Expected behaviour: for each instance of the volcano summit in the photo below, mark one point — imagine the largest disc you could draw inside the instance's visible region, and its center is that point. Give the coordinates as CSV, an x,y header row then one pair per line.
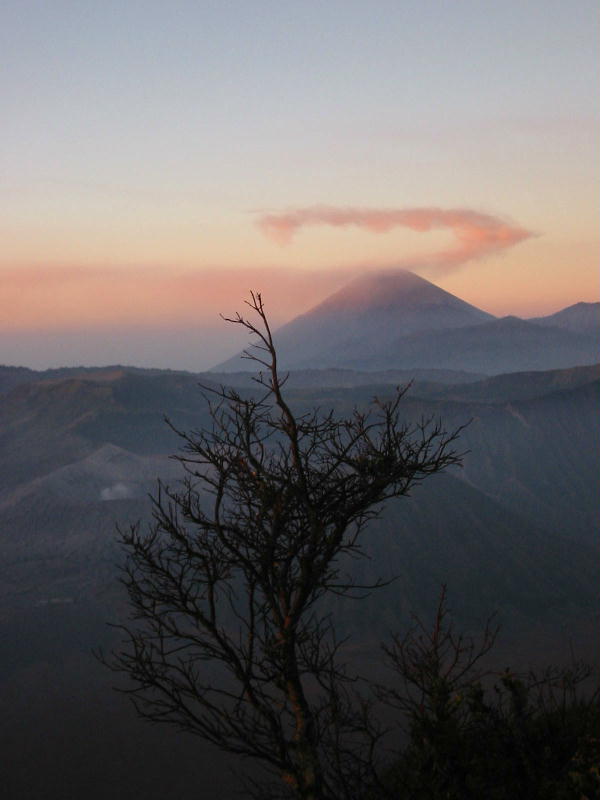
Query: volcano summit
x,y
398,320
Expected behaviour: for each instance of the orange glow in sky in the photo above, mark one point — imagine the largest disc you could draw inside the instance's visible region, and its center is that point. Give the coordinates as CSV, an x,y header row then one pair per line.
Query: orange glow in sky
x,y
147,153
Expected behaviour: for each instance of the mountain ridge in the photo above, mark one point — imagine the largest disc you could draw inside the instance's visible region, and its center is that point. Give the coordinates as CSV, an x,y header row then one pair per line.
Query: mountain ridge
x,y
383,290
372,308
580,318
399,320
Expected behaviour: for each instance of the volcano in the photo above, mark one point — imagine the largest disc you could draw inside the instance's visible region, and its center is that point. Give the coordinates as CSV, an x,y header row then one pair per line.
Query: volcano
x,y
355,323
398,320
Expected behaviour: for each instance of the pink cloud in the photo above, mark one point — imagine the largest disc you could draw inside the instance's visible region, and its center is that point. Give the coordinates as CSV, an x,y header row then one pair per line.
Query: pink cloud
x,y
477,235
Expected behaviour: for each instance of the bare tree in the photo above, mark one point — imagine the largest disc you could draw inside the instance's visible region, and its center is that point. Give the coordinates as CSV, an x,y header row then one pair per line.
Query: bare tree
x,y
228,637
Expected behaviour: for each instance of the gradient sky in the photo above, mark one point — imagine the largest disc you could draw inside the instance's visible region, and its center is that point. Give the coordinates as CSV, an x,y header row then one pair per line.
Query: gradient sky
x,y
160,159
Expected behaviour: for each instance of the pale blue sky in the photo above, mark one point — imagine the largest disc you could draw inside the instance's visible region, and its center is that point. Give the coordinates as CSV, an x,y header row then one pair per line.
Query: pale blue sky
x,y
152,95
142,133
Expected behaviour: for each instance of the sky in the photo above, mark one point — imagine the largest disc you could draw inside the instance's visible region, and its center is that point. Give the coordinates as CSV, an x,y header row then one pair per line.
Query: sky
x,y
159,160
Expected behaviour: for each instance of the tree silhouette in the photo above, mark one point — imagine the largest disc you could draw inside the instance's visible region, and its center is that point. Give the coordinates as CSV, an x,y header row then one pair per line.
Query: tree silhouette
x,y
229,638
472,732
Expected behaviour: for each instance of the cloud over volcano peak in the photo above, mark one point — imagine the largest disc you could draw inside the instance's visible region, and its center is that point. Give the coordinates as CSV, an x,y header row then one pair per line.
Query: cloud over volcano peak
x,y
477,235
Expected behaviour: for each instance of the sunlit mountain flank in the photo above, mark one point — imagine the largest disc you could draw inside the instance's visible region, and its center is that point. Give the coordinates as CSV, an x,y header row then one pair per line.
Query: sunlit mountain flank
x,y
399,320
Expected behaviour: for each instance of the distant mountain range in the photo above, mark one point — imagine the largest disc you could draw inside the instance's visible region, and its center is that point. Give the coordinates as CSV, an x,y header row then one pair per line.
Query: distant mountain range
x,y
398,320
80,452
579,318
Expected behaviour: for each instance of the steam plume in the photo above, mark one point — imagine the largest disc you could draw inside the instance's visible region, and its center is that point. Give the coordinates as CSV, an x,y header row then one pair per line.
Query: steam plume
x,y
477,235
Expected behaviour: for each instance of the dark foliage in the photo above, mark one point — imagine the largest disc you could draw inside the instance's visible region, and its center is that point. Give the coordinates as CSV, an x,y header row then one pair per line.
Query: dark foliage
x,y
473,734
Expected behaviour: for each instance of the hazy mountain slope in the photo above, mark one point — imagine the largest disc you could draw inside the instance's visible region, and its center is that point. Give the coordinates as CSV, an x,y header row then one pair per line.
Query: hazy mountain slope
x,y
352,324
10,377
518,385
579,318
539,457
505,345
520,439
58,538
315,378
58,545
49,424
400,321
13,376
108,473
490,557
39,426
